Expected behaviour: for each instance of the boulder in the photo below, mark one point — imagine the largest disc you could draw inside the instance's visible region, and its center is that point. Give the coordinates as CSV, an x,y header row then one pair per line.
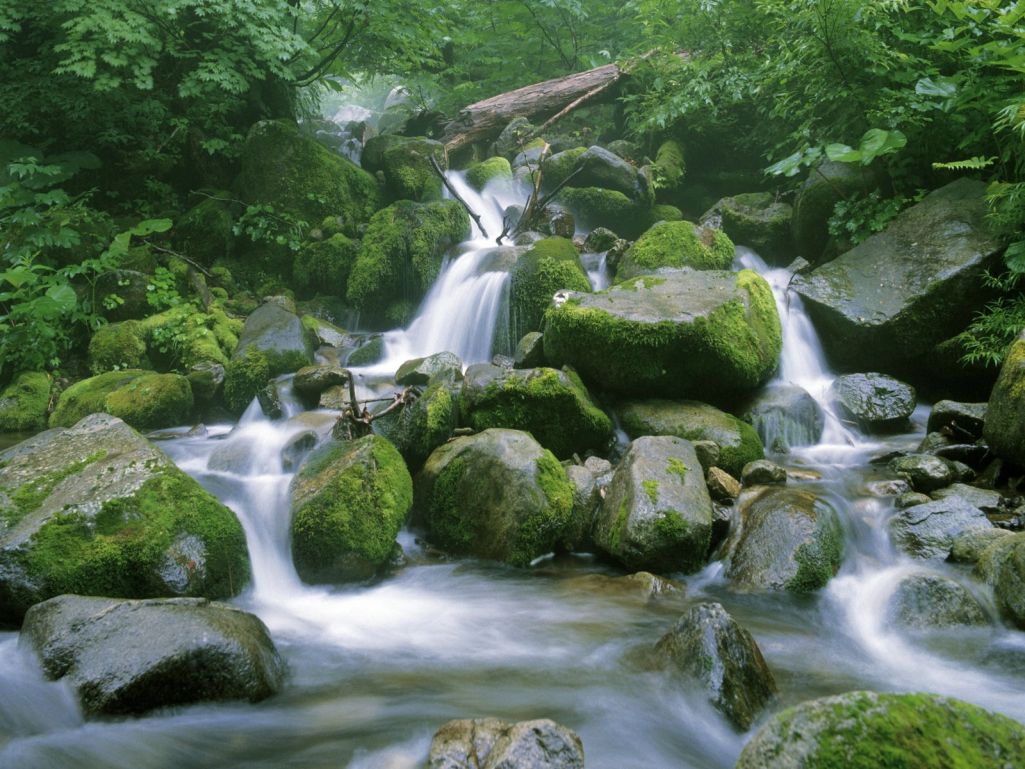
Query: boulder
x,y
479,175
25,402
876,402
790,539
487,743
706,335
762,472
929,530
420,371
530,351
496,495
405,163
311,381
709,647
599,207
675,245
929,601
145,400
118,346
349,500
888,301
547,266
963,421
826,185
597,168
324,265
784,416
418,428
1005,413
925,472
968,546
1002,563
277,333
657,514
987,500
204,232
722,486
866,730
756,220
737,441
129,656
97,510
552,405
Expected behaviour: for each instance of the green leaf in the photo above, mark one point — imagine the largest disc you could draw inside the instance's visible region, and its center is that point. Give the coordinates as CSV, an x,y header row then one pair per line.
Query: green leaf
x,y
788,166
63,296
968,164
1014,256
841,153
944,87
149,226
877,142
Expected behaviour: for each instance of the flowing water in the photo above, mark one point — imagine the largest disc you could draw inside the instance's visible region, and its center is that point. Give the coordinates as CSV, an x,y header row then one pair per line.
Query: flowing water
x,y
375,669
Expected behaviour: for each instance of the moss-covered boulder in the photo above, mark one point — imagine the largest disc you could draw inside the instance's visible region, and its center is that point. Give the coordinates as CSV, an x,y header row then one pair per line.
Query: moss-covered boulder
x,y
707,335
657,515
118,346
756,220
547,266
405,163
1002,564
420,427
323,266
599,207
737,441
204,232
145,400
97,510
349,501
183,337
1005,415
866,730
497,495
674,245
669,167
25,402
790,539
480,174
886,303
553,406
402,252
420,371
596,167
292,172
826,185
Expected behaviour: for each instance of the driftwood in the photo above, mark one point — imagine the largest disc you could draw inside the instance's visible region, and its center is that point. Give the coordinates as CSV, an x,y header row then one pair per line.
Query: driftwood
x,y
444,180
356,422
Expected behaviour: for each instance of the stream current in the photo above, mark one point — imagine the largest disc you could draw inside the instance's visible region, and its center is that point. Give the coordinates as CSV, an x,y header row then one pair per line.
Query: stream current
x,y
375,669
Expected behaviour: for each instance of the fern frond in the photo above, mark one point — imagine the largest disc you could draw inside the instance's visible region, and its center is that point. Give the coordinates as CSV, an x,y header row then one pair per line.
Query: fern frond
x,y
969,164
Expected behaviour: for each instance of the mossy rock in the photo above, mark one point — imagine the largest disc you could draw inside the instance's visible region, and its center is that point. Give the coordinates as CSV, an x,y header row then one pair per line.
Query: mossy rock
x,y
670,166
324,265
349,501
548,266
1005,414
25,402
663,212
183,337
480,174
244,377
599,207
118,346
675,245
283,168
496,495
408,173
1002,563
559,166
420,427
827,184
707,335
97,510
402,252
759,221
866,730
204,232
368,353
737,440
144,400
278,333
553,406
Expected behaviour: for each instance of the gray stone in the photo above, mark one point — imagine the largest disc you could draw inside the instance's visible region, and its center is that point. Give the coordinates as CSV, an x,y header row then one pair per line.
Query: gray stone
x,y
912,498
487,743
756,220
987,500
925,472
420,371
279,334
762,472
785,416
968,546
1005,413
962,421
875,401
530,352
929,601
1002,564
311,381
929,530
205,379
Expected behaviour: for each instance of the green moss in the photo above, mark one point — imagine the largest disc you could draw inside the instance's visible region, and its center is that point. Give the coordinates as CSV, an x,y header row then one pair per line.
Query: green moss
x,y
671,526
368,353
619,526
538,531
152,401
31,494
763,315
324,266
598,207
89,396
407,169
244,377
560,165
450,526
675,245
419,428
479,174
182,336
122,553
651,489
118,346
818,560
669,166
676,466
204,232
663,212
25,402
548,266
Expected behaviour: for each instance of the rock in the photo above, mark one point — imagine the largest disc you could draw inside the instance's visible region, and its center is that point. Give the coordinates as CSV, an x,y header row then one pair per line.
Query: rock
x,y
929,530
311,381
420,371
675,245
708,646
722,486
1005,413
866,729
987,500
875,401
669,167
586,501
145,400
598,168
370,351
924,472
706,335
554,406
968,546
1002,564
530,352
123,656
497,495
513,136
929,601
118,346
599,240
597,206
96,509
790,539
826,185
204,232
708,454
487,743
206,379
25,402
349,500
657,515
420,427
480,174
738,444
642,585
912,498
784,416
548,266
324,264
888,301
278,334
405,163
296,449
762,472
964,421
756,220
558,222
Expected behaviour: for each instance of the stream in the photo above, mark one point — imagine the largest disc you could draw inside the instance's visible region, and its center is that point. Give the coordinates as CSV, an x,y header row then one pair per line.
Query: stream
x,y
375,669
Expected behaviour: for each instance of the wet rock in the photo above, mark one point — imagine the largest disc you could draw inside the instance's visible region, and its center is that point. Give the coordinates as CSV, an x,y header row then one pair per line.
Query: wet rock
x,y
722,486
875,401
762,472
932,442
1005,413
418,428
929,601
929,530
756,220
205,379
530,351
269,397
866,729
826,185
972,454
586,501
968,546
963,421
642,585
912,498
888,488
123,656
785,416
497,495
789,540
487,743
676,245
420,371
709,647
708,454
987,500
98,509
1002,564
600,240
657,515
278,333
310,381
348,500
924,472
297,447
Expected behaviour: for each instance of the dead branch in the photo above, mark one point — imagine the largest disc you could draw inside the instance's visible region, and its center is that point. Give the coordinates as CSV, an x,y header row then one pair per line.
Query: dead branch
x,y
448,185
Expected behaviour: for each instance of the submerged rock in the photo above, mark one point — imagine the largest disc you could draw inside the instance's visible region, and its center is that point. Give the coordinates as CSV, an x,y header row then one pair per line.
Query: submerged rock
x,y
487,743
874,401
929,530
708,646
927,601
1005,414
865,730
125,656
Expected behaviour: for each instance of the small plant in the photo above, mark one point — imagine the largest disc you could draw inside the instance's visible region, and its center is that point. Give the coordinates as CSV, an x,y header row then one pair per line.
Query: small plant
x,y
987,338
264,224
162,290
857,218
